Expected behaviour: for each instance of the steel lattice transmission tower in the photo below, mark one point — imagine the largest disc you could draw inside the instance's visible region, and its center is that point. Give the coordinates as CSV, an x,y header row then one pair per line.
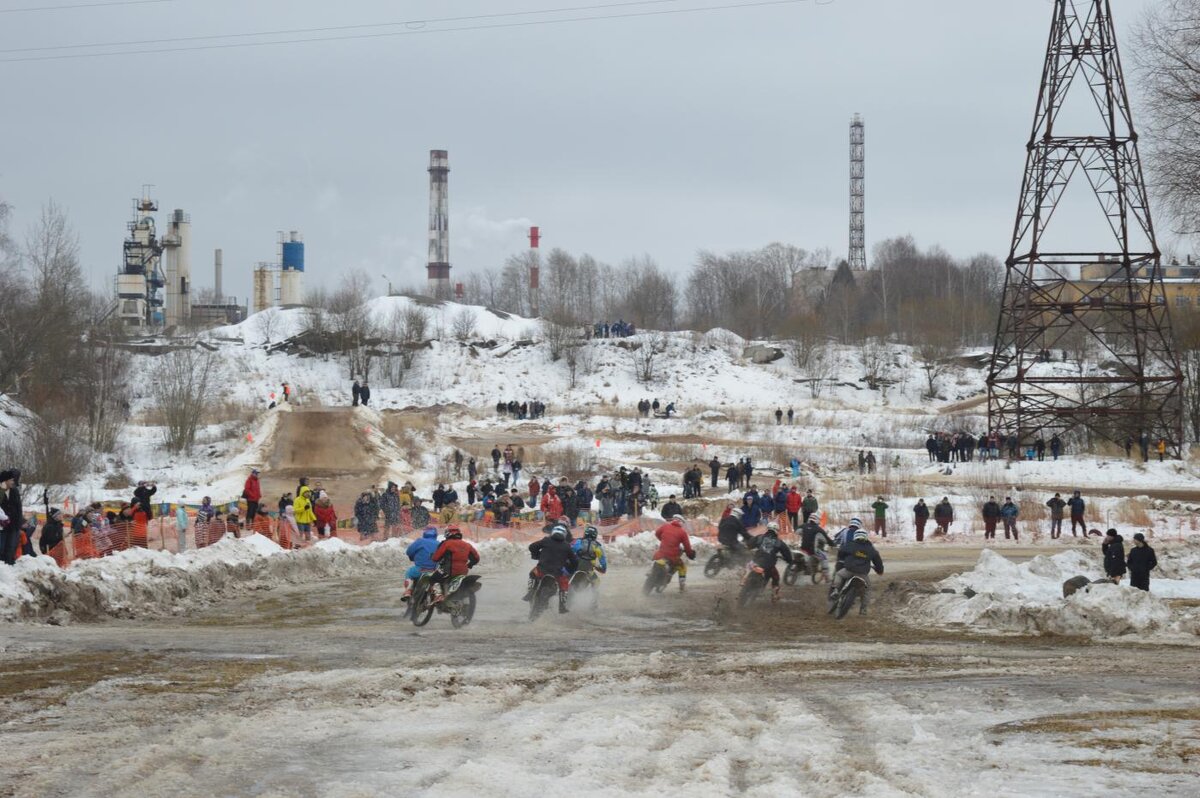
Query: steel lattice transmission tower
x,y
858,193
1084,138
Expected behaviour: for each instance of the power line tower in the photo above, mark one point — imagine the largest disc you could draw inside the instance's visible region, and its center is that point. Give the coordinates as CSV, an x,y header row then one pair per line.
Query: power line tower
x,y
1096,293
858,194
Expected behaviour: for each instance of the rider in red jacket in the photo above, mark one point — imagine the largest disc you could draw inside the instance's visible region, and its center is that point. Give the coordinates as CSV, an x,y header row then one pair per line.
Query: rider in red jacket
x,y
456,558
674,542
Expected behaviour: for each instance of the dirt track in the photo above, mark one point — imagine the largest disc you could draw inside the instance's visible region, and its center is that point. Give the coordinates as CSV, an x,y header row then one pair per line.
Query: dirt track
x,y
327,446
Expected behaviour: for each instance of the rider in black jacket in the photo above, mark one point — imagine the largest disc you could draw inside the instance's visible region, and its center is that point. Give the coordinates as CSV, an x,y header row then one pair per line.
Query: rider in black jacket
x,y
554,558
768,548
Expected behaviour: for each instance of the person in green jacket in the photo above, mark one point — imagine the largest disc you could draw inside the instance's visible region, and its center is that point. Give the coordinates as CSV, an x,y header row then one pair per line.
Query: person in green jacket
x,y
808,507
880,507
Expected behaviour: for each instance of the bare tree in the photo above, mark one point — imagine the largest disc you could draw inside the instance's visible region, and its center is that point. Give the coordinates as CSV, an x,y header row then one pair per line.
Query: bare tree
x,y
463,325
268,324
558,338
877,363
645,353
1167,59
820,368
50,452
934,351
180,383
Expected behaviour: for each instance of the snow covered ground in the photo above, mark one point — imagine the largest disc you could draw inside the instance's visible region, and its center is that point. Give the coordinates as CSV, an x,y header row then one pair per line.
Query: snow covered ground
x,y
1027,598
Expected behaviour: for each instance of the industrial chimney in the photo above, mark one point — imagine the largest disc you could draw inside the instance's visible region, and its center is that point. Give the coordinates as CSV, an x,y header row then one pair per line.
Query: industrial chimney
x,y
218,289
439,224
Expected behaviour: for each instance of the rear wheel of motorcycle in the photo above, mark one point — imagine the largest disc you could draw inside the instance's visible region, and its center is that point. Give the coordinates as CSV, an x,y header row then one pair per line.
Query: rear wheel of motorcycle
x,y
466,612
654,580
850,594
752,589
714,565
791,575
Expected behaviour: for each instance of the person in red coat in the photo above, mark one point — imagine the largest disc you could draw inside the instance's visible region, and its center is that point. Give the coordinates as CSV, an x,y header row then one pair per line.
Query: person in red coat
x,y
552,507
673,543
794,500
455,557
252,493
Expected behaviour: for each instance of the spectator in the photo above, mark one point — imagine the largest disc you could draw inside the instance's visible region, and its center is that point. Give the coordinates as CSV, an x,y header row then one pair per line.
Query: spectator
x,y
1114,555
1009,513
356,393
252,493
794,503
1056,446
1056,506
880,507
991,516
52,532
671,508
1141,562
141,497
779,416
1162,449
714,465
791,414
809,506
943,516
365,393
1077,506
920,518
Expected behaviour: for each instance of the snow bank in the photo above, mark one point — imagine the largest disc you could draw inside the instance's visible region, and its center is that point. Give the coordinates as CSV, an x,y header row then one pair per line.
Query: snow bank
x,y
638,549
1002,596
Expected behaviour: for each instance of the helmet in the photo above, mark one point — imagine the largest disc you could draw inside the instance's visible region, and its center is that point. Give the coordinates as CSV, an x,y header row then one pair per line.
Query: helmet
x,y
453,533
591,533
737,512
856,523
559,532
861,535
773,529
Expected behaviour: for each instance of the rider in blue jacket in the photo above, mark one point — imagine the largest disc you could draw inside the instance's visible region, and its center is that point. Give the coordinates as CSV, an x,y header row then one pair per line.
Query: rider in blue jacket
x,y
421,553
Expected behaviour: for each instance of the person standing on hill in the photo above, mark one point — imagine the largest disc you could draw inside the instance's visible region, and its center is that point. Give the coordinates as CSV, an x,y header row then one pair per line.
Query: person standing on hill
x,y
791,417
920,518
356,393
1056,446
778,416
1077,506
714,465
991,516
1141,562
496,457
1114,555
1056,506
880,507
364,394
943,516
1009,513
870,462
252,493
458,463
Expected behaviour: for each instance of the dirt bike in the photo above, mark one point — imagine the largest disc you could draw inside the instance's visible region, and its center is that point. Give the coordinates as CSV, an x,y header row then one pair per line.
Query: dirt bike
x,y
659,577
585,590
544,592
753,587
459,601
724,558
816,567
852,591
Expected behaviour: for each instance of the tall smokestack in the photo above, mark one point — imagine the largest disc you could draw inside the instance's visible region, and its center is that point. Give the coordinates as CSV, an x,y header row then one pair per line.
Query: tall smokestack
x,y
439,224
218,289
535,242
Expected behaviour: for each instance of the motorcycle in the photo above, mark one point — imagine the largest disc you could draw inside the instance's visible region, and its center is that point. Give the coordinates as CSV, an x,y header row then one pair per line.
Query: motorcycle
x,y
543,593
852,591
816,567
753,587
724,558
459,602
584,590
659,577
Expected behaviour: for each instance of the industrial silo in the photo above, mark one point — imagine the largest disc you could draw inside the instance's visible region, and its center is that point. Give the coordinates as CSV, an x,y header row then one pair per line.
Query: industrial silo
x,y
291,275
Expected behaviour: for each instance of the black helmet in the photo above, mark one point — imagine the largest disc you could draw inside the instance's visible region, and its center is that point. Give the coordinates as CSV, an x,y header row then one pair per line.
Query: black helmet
x,y
559,532
453,533
591,533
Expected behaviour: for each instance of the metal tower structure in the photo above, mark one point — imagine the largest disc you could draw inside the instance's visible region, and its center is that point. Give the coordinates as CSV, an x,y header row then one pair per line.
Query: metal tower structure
x,y
858,193
439,224
1094,292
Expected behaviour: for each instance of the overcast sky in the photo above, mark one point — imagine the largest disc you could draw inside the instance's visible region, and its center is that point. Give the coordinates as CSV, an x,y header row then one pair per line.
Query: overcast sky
x,y
661,135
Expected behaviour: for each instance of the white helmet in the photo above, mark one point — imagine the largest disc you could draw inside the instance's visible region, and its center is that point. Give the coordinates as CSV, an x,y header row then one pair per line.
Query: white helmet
x,y
861,535
856,523
737,512
773,528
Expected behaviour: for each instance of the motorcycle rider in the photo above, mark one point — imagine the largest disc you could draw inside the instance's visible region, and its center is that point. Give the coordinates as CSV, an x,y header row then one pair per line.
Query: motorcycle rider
x,y
856,557
590,553
768,548
420,553
456,557
808,540
555,558
674,542
847,534
731,531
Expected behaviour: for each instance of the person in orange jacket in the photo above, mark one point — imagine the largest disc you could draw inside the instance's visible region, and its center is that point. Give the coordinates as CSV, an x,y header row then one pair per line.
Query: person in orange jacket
x,y
674,542
552,507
